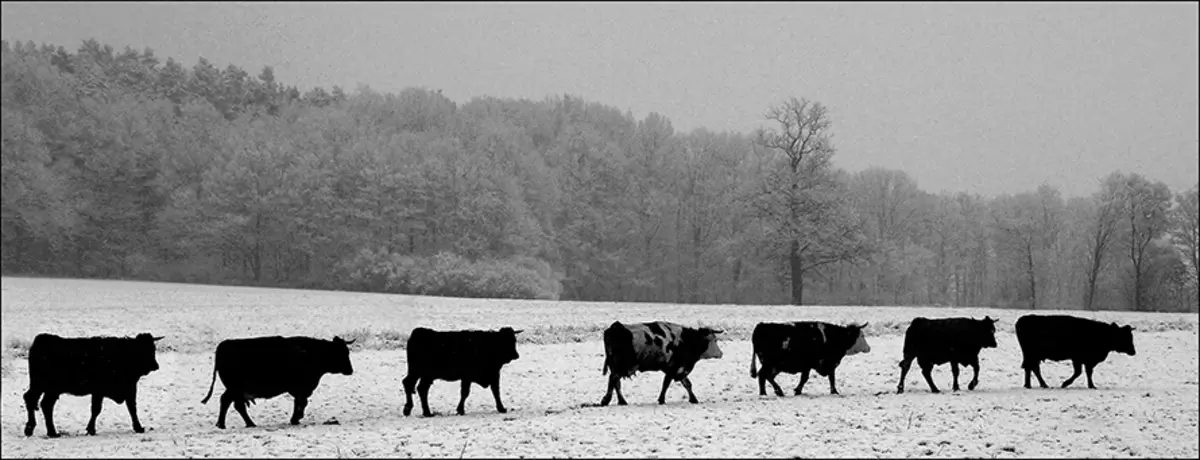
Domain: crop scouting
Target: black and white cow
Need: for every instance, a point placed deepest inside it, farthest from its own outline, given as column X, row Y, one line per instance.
column 472, row 356
column 655, row 346
column 103, row 367
column 1085, row 342
column 266, row 367
column 800, row 347
column 946, row 340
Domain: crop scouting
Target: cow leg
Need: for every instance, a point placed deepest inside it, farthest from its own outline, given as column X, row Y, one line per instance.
column 774, row 385
column 1037, row 371
column 410, row 385
column 1089, row 368
column 423, row 392
column 687, row 385
column 662, row 395
column 927, row 372
column 954, row 373
column 496, row 395
column 240, row 405
column 131, row 404
column 466, row 390
column 226, row 400
column 97, row 404
column 975, row 377
column 803, row 380
column 904, row 365
column 832, row 382
column 31, row 401
column 300, row 402
column 48, row 413
column 1078, row 370
column 614, row 385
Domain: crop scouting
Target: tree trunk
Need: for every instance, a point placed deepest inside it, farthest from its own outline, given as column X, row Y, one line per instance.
column 797, row 274
column 1032, row 278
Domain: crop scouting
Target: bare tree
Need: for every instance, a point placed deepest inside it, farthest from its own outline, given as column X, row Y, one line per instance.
column 1145, row 213
column 1185, row 230
column 1102, row 226
column 801, row 202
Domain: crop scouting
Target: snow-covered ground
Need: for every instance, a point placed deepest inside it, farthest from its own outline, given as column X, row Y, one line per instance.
column 1146, row 405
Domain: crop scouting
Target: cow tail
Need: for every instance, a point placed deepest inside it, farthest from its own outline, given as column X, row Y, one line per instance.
column 753, row 369
column 211, row 385
column 604, row 371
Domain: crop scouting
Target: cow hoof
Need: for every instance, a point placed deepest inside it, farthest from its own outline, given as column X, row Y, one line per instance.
column 53, row 435
column 956, row 389
column 429, row 414
column 251, row 425
column 972, row 386
column 295, row 422
column 935, row 390
column 899, row 391
column 661, row 402
column 501, row 410
column 407, row 410
column 603, row 402
column 91, row 432
column 622, row 403
column 460, row 412
column 694, row 401
column 139, row 430
column 1028, row 386
column 28, row 430
column 221, row 426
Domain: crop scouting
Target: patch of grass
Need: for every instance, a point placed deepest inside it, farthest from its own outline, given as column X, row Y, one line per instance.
column 18, row 347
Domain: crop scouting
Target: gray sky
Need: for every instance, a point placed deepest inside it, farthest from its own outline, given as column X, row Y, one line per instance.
column 984, row 98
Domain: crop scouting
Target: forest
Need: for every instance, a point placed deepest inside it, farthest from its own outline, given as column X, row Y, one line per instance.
column 119, row 165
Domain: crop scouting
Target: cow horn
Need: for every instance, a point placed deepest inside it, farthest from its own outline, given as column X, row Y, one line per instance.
column 864, row 325
column 517, row 331
column 717, row 331
column 156, row 338
column 351, row 341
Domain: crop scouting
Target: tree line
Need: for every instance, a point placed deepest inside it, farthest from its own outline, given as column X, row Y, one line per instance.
column 119, row 165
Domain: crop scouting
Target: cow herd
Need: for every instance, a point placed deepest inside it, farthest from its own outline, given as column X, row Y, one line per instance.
column 265, row 367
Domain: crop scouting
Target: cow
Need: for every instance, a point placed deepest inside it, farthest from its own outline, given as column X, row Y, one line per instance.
column 103, row 367
column 800, row 347
column 1085, row 342
column 655, row 346
column 266, row 367
column 472, row 356
column 946, row 340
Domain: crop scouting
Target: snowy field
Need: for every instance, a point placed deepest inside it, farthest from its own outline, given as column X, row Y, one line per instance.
column 1146, row 405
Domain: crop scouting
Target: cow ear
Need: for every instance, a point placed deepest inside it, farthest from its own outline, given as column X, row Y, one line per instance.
column 1128, row 327
column 717, row 331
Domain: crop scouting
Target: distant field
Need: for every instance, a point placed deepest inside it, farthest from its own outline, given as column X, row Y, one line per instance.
column 194, row 318
column 1146, row 405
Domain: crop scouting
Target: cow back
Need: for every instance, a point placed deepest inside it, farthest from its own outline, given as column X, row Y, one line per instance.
column 460, row 354
column 108, row 366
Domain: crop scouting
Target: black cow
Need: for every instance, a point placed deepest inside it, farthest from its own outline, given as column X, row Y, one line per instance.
column 104, row 367
column 1085, row 342
column 472, row 356
column 801, row 346
column 266, row 367
column 946, row 340
column 655, row 346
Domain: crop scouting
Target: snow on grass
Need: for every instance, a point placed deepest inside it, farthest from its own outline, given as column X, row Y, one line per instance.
column 1146, row 405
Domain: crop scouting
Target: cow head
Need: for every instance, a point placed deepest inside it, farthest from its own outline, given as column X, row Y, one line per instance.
column 711, row 349
column 860, row 341
column 144, row 359
column 508, row 344
column 1122, row 339
column 339, row 356
column 987, row 332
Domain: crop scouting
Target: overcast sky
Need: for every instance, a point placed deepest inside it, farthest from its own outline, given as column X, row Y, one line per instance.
column 983, row 98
